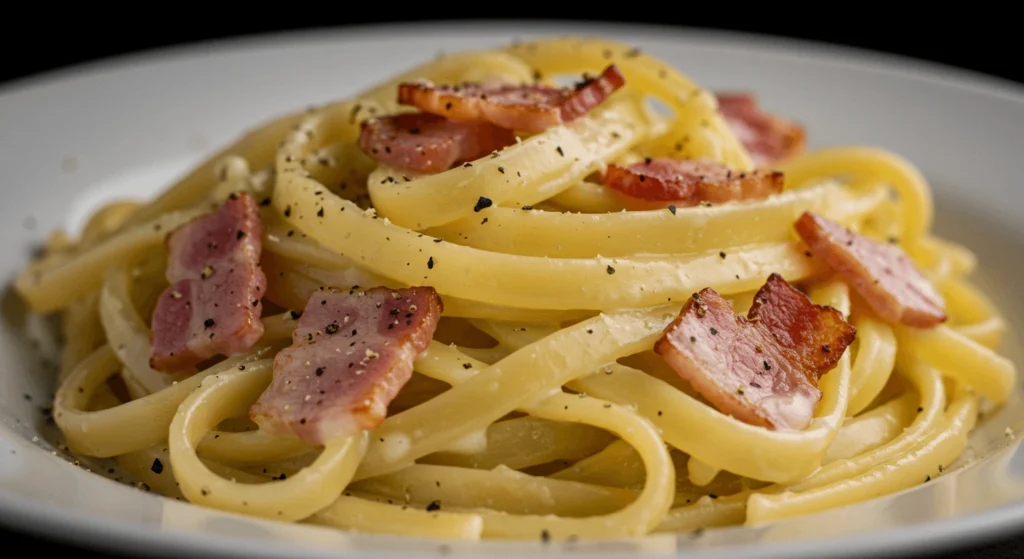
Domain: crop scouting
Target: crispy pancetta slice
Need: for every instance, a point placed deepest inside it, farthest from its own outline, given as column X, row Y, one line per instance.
column 213, row 304
column 880, row 272
column 768, row 138
column 690, row 182
column 427, row 144
column 351, row 352
column 529, row 108
column 762, row 369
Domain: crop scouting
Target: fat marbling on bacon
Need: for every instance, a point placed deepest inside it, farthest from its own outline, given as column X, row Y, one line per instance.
column 529, row 108
column 213, row 304
column 762, row 369
column 881, row 273
column 690, row 182
column 768, row 138
column 351, row 352
column 427, row 144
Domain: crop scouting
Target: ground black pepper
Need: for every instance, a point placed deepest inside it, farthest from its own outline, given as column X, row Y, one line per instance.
column 482, row 203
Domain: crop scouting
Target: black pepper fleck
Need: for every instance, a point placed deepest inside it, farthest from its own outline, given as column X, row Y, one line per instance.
column 482, row 203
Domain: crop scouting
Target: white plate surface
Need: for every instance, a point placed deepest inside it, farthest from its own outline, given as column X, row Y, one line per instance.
column 128, row 127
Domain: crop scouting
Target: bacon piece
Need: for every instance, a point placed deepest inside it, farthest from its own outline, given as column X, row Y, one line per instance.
column 426, row 143
column 351, row 352
column 530, row 108
column 768, row 138
column 213, row 305
column 690, row 182
column 763, row 369
column 882, row 273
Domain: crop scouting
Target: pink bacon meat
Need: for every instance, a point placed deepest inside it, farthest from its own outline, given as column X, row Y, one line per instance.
column 351, row 352
column 213, row 305
column 762, row 369
column 881, row 273
column 529, row 108
column 768, row 138
column 426, row 143
column 690, row 182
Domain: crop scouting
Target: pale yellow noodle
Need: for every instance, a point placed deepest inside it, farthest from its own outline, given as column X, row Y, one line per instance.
column 230, row 394
column 872, row 364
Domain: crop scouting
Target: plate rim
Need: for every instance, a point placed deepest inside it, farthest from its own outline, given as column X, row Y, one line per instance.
column 954, row 533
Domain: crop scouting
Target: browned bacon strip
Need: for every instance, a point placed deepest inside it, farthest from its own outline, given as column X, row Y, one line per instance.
column 351, row 352
column 426, row 143
column 690, row 182
column 763, row 369
column 213, row 304
column 530, row 108
column 882, row 273
column 768, row 138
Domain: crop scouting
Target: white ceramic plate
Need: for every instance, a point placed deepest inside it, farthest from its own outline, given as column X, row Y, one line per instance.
column 129, row 126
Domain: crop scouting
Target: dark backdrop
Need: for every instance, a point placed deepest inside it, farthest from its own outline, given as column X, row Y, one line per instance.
column 960, row 35
column 965, row 36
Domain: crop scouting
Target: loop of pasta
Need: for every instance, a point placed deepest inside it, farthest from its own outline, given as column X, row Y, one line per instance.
column 230, row 394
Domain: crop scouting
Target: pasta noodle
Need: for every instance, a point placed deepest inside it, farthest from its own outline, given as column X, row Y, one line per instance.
column 543, row 407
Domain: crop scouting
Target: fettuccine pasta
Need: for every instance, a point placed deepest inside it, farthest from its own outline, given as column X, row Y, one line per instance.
column 554, row 257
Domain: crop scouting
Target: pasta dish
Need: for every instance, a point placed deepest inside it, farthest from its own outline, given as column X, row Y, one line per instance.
column 474, row 302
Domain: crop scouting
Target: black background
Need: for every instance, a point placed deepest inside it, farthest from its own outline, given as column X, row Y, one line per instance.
column 963, row 35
